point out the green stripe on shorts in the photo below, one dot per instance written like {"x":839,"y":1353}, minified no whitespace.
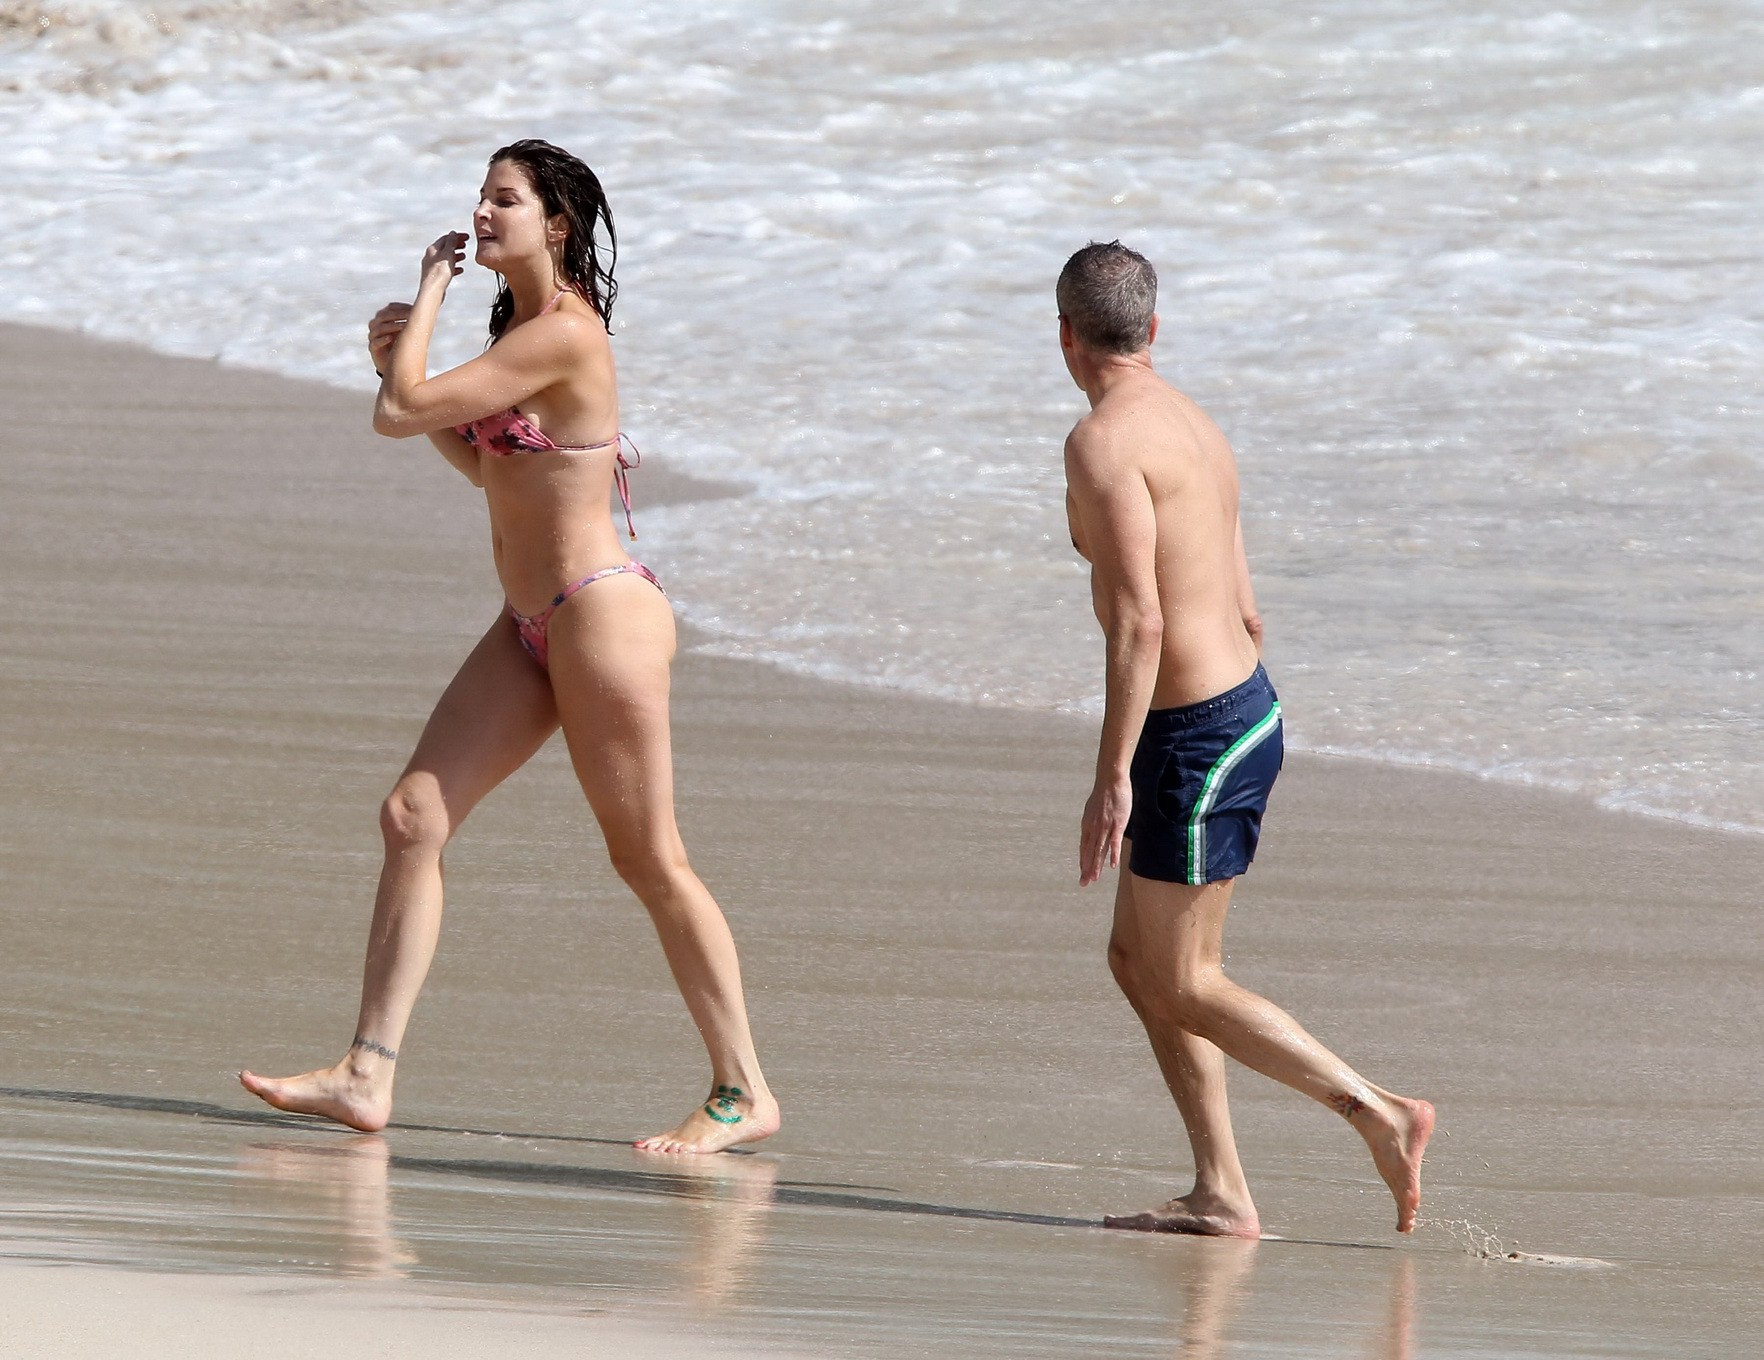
{"x":1222,"y":767}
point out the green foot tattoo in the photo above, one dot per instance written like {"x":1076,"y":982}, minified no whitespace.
{"x":721,"y":1105}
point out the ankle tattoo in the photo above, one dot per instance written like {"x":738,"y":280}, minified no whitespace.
{"x":1345,"y":1105}
{"x":369,"y":1046}
{"x":721,"y":1105}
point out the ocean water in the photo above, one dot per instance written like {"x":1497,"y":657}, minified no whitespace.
{"x":1475,"y":291}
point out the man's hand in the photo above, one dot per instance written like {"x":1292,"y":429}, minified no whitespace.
{"x":1105,"y":823}
{"x":384,"y":330}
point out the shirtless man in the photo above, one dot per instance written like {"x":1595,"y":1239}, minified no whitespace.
{"x":1191,"y":744}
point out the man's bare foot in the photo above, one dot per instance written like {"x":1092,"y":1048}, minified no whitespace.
{"x":344,"y":1093}
{"x":730,"y":1117}
{"x":1398,"y":1145}
{"x":1202,"y":1215}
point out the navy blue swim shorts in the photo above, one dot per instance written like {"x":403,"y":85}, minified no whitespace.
{"x":1201,"y":776}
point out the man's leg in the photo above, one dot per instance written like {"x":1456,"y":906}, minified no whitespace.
{"x":1183,"y":987}
{"x":1194,"y":1070}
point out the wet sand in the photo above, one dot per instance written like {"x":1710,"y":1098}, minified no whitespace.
{"x":227,"y":610}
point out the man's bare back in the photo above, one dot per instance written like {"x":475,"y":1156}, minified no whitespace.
{"x":1142,"y":428}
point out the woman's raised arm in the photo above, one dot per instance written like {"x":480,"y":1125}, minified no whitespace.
{"x":528,"y":359}
{"x":383,"y":331}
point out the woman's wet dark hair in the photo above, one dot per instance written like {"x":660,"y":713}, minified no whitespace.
{"x":565,"y":186}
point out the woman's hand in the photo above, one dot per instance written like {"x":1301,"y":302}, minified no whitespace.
{"x":383,"y":333}
{"x":441,"y":261}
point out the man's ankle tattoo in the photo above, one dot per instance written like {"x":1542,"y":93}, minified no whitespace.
{"x":1345,"y":1105}
{"x":721,"y":1105}
{"x":369,"y":1046}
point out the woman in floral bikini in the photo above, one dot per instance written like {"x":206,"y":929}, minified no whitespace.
{"x":584,"y":643}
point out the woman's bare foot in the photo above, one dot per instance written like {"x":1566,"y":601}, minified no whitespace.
{"x":1204,"y":1215}
{"x":1398,"y":1140}
{"x":344,"y":1183}
{"x":730,"y":1117}
{"x":350,"y":1093}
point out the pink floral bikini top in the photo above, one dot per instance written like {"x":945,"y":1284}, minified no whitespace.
{"x":508,"y":433}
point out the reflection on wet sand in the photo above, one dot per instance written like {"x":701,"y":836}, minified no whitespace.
{"x":1396,"y":1340}
{"x":1215,"y":1277}
{"x":345,"y":1188}
{"x":345,"y":1185}
{"x":731,"y":1200}
{"x":1214,"y":1284}
{"x":669,"y":1231}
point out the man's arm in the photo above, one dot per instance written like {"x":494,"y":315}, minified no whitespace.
{"x":1113,"y":509}
{"x":1246,"y":595}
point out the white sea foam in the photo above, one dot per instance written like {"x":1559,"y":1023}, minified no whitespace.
{"x":1475,"y":292}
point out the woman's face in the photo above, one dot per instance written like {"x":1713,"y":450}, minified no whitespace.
{"x":510,"y":221}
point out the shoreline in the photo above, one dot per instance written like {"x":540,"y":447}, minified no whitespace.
{"x":229,"y":608}
{"x":671,"y":486}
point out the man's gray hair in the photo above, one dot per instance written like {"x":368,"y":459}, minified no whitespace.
{"x":1109,"y":293}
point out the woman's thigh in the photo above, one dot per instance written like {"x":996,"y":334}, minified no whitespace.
{"x":494,"y":714}
{"x":610,"y":648}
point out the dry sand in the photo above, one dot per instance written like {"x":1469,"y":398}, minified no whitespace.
{"x":227,"y":610}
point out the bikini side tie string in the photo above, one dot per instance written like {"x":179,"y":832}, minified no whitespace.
{"x":620,"y":468}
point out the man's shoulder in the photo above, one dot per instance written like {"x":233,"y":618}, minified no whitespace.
{"x":1098,"y":439}
{"x":1106,"y":454}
